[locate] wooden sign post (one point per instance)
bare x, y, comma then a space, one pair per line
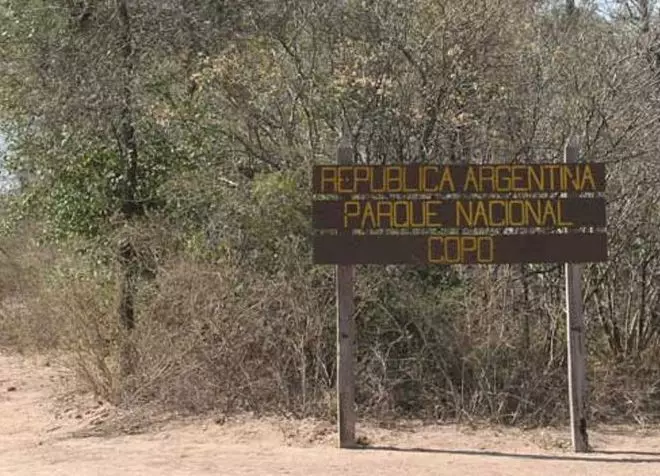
576, 343
345, 330
515, 204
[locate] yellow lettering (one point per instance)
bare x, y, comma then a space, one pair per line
425, 184
383, 184
431, 247
406, 179
501, 181
491, 178
492, 213
570, 179
469, 245
351, 210
460, 249
560, 215
485, 255
344, 182
361, 174
534, 212
553, 214
329, 177
536, 178
454, 243
447, 180
393, 180
549, 211
384, 210
480, 214
439, 179
407, 211
368, 214
417, 214
520, 212
587, 176
461, 213
554, 183
430, 214
518, 182
470, 181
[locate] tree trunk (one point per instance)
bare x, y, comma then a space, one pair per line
570, 7
126, 306
129, 153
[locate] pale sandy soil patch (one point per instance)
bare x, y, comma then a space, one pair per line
44, 435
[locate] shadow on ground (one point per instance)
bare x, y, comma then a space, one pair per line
650, 457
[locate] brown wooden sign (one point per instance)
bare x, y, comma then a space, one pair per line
405, 214
420, 201
503, 213
460, 249
446, 179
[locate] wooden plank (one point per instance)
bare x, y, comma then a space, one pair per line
443, 179
346, 417
425, 250
576, 344
430, 214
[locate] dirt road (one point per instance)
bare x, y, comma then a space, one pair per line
39, 437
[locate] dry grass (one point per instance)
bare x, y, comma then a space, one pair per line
22, 265
210, 337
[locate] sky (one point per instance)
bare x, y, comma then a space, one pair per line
6, 181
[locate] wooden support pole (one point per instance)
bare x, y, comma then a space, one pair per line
345, 331
576, 341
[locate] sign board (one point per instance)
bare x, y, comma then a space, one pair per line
429, 214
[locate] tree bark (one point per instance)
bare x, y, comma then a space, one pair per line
127, 256
570, 7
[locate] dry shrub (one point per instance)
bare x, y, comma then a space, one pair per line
447, 343
627, 391
432, 347
23, 265
215, 337
52, 299
88, 332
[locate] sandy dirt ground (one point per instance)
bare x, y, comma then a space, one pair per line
43, 433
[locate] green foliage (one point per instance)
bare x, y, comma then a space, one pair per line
254, 222
82, 197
